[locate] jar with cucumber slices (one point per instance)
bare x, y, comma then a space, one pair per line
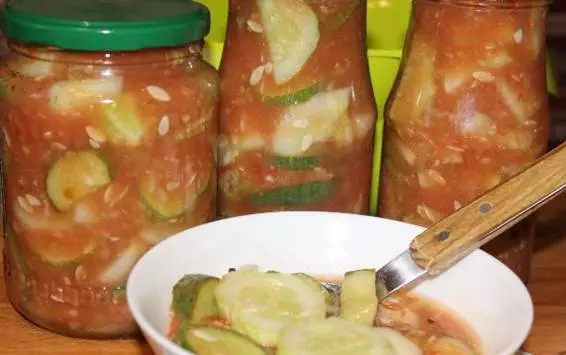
109, 146
298, 114
469, 111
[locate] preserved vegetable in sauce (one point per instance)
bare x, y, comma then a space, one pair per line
105, 153
298, 115
253, 312
468, 111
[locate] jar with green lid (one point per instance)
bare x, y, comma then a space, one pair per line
109, 134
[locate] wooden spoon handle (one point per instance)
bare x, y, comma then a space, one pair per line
475, 224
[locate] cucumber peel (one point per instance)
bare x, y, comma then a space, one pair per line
193, 297
304, 194
294, 163
295, 97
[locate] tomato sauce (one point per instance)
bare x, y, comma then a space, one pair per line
105, 155
297, 110
468, 111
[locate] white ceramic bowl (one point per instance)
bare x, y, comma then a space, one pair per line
481, 290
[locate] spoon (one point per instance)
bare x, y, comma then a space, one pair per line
470, 227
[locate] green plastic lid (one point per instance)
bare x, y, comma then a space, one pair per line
105, 25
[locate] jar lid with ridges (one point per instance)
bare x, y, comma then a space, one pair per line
105, 25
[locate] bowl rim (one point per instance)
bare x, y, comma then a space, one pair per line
150, 331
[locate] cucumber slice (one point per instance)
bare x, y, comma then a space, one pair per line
447, 345
401, 344
333, 336
294, 163
260, 304
162, 203
64, 258
35, 68
65, 96
117, 272
304, 194
291, 30
294, 98
74, 176
332, 299
210, 340
358, 298
320, 119
121, 120
193, 297
51, 238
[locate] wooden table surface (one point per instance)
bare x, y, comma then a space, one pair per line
547, 286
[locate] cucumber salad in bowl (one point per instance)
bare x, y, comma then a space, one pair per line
253, 312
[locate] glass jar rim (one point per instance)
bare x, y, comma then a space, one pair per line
144, 56
498, 4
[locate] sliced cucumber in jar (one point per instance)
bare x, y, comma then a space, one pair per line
294, 163
295, 97
60, 257
65, 96
162, 203
206, 339
358, 300
193, 297
291, 31
122, 122
333, 336
260, 304
304, 194
74, 176
117, 271
321, 119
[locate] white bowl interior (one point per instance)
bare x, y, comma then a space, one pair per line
480, 290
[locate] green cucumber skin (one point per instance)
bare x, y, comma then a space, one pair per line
308, 193
294, 163
296, 97
183, 301
147, 201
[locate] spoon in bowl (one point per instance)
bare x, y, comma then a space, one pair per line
470, 227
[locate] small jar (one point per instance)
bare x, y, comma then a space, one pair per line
468, 111
297, 119
109, 136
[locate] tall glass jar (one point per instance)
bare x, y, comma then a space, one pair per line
468, 111
109, 138
297, 114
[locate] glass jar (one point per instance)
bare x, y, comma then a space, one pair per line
109, 138
468, 111
297, 118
